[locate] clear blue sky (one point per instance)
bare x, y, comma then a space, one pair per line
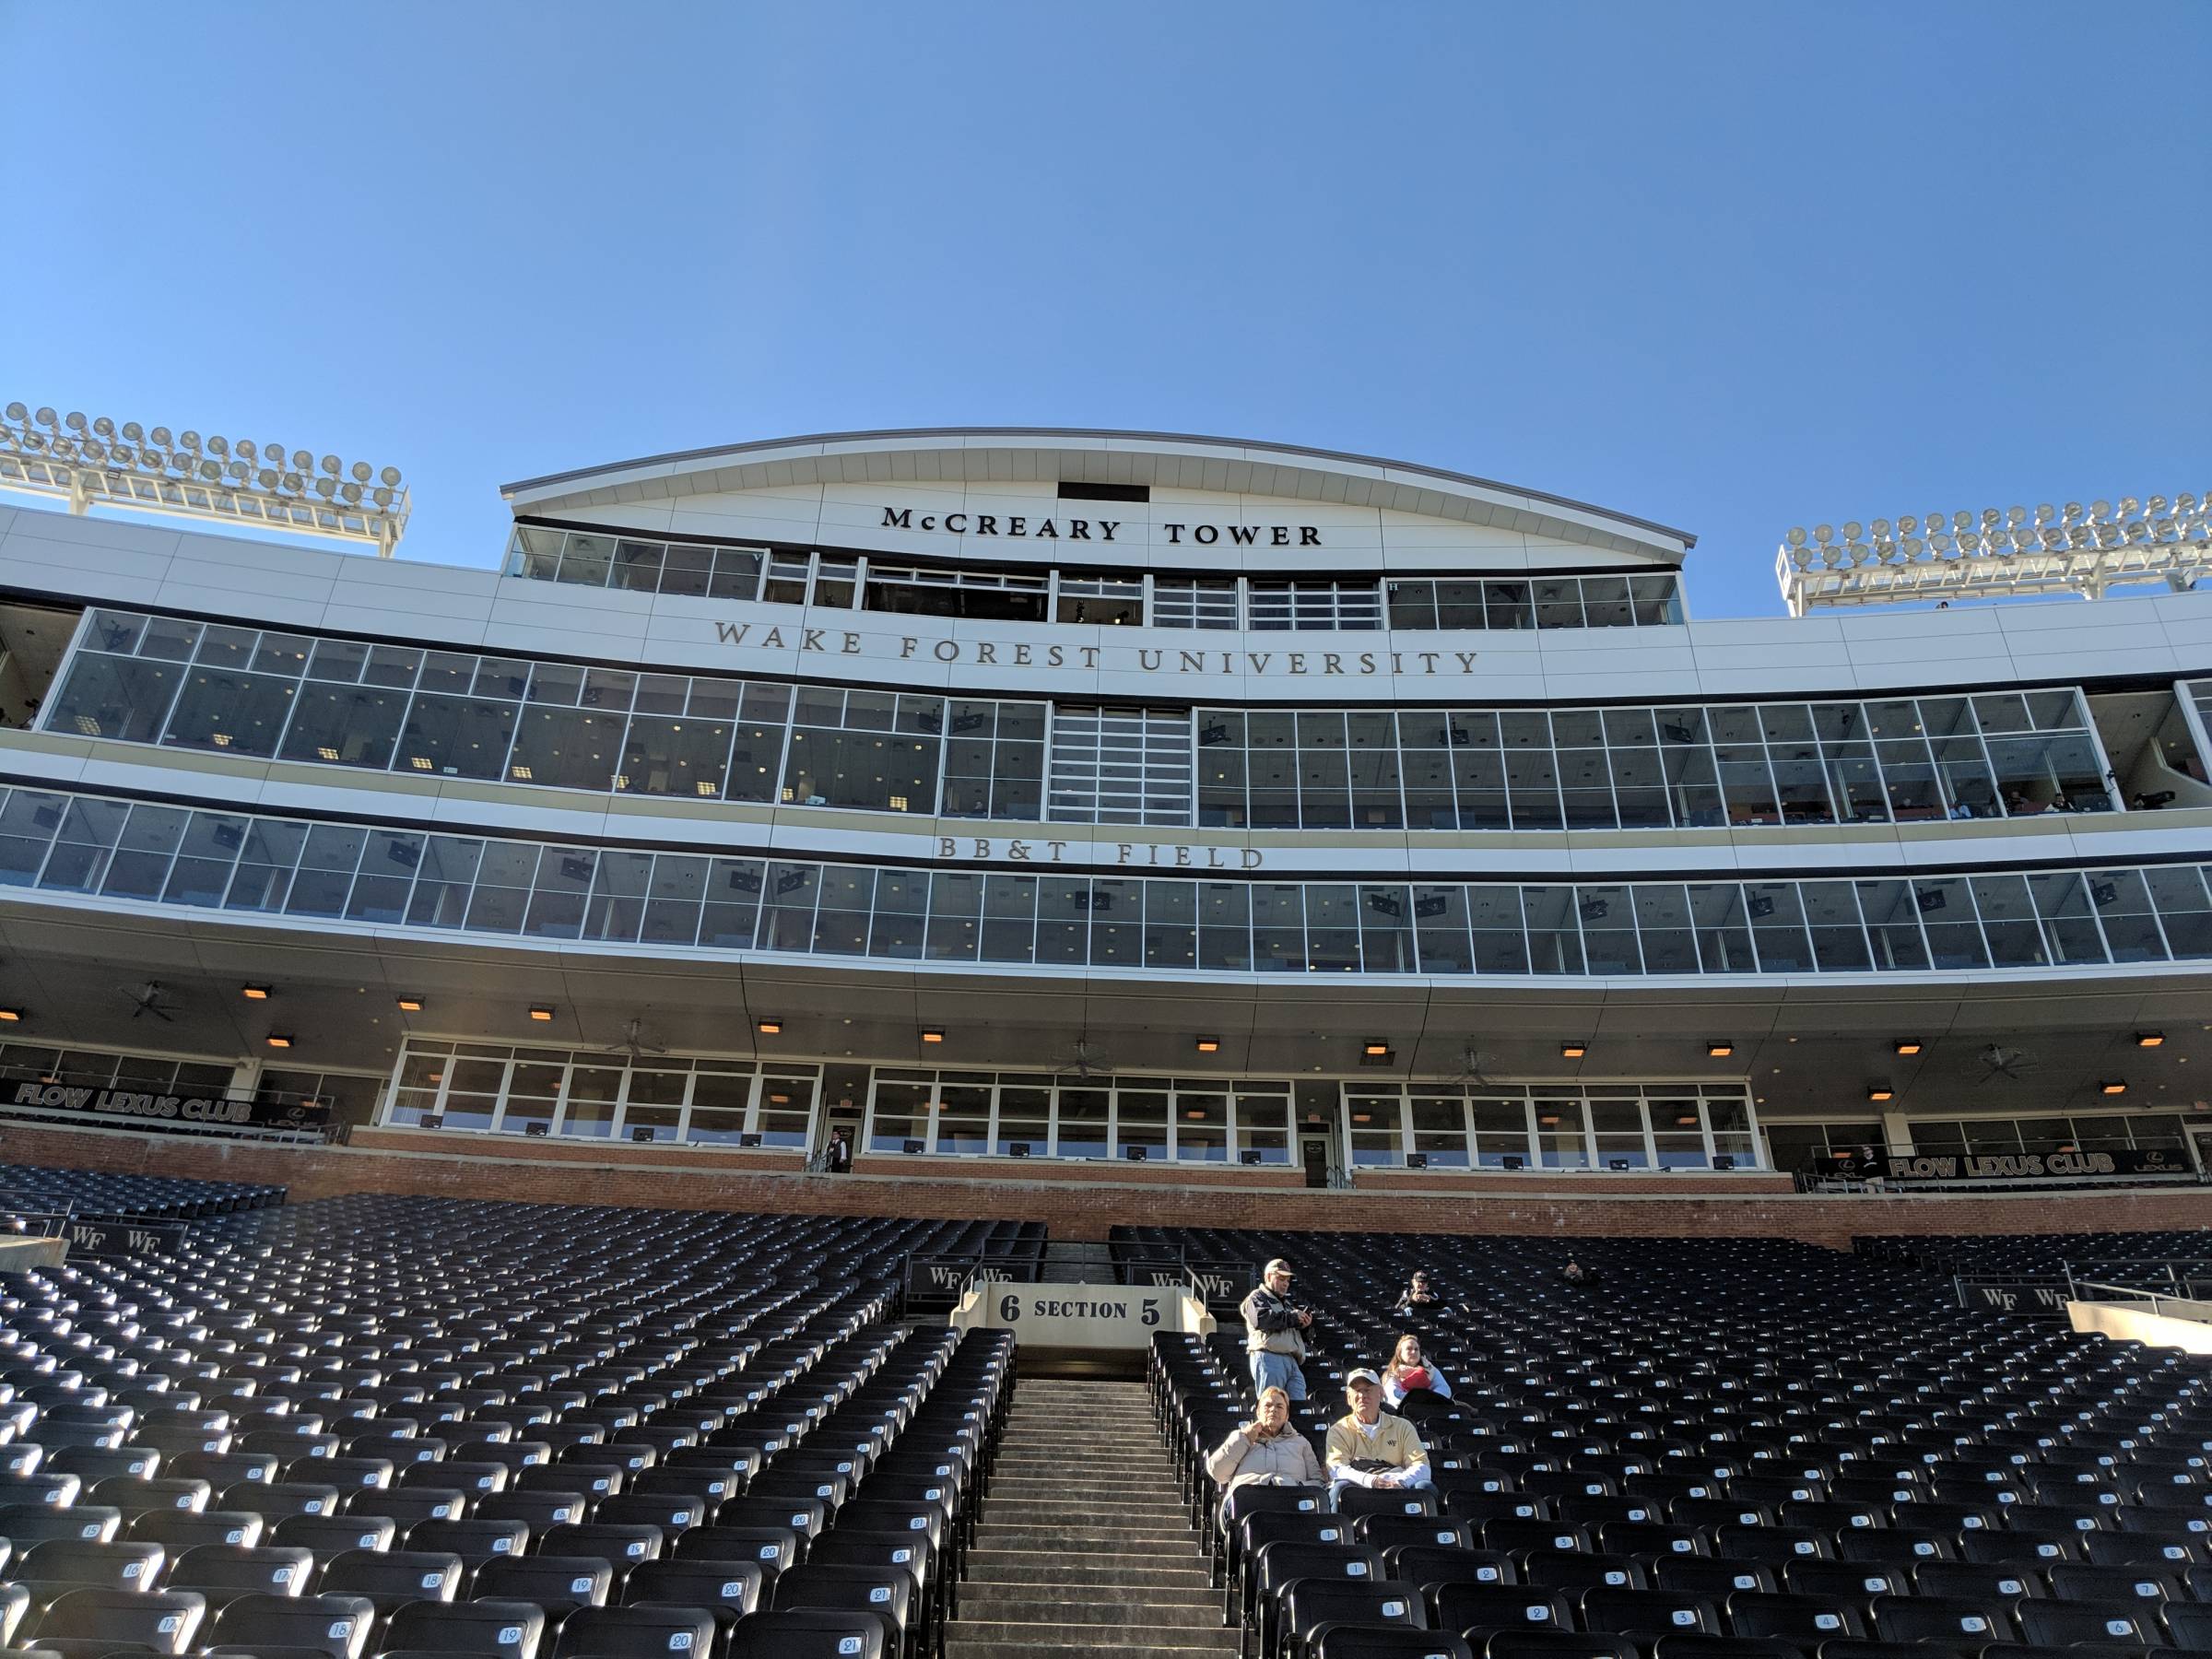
1728, 266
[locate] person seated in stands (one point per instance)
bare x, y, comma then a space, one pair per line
1409, 1373
1275, 1332
1369, 1448
1421, 1296
1574, 1273
1266, 1452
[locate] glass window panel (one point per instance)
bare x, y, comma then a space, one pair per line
1009, 919
456, 736
1024, 1116
1225, 926
344, 724
786, 1116
1561, 1132
1263, 1123
616, 910
1439, 1127
1376, 1117
126, 698
442, 885
673, 903
387, 876
1201, 1122
2185, 910
1082, 1123
589, 1110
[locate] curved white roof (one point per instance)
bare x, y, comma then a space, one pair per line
1045, 454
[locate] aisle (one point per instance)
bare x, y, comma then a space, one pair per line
1084, 1551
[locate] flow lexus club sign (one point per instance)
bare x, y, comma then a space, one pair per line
2037, 1166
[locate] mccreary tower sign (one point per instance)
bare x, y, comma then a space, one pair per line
1079, 529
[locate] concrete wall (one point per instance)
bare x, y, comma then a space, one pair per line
1081, 1203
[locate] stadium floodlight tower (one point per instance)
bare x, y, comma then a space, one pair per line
2000, 554
184, 474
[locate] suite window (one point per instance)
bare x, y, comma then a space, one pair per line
1562, 1131
654, 1102
1225, 926
1025, 1116
2184, 909
90, 830
1374, 1121
1201, 1122
1677, 1135
1170, 930
722, 1095
993, 759
731, 895
1617, 1128
593, 1096
534, 1090
1140, 1117
866, 749
935, 591
441, 886
963, 1103
668, 914
1082, 1122
1439, 1120
1263, 1121
1099, 601
841, 920
201, 874
1010, 919
616, 909
381, 890
785, 1114
125, 699
1501, 1129
501, 897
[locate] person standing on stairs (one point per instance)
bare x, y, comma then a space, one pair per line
1275, 1332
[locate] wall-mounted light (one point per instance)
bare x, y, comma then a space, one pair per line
254, 993
1906, 1045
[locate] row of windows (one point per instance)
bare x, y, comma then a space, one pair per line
1796, 1147
189, 685
1206, 1120
591, 1095
1993, 755
159, 853
839, 581
1564, 1126
439, 713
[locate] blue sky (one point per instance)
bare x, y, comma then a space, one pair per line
1730, 266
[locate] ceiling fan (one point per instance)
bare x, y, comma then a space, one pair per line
2013, 1064
1088, 1060
633, 1042
146, 999
1471, 1074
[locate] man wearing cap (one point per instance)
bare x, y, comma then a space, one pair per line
1275, 1332
1366, 1448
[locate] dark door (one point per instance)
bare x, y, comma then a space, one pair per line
1314, 1148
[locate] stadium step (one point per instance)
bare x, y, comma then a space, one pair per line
1084, 1549
1069, 1263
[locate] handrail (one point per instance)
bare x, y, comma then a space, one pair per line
2197, 1310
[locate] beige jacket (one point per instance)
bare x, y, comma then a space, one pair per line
1285, 1459
1393, 1441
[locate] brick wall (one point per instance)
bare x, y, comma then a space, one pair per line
1078, 1204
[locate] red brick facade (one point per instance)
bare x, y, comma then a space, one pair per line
1081, 1201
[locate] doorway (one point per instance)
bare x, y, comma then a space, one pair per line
1313, 1153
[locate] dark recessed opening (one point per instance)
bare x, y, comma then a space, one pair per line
1105, 492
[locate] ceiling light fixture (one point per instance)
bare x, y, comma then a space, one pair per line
770, 1027
2149, 1039
933, 1035
541, 1012
1372, 1049
1573, 1050
254, 993
1906, 1045
10, 1016
410, 1005
279, 1040
2112, 1086
1209, 1045
1720, 1048
1880, 1091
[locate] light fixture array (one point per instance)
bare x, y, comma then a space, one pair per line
184, 474
2069, 549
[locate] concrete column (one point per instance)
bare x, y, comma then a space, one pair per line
1897, 1135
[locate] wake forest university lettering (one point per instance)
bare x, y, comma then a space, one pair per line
1204, 536
1143, 659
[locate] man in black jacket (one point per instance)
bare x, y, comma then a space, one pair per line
1275, 1332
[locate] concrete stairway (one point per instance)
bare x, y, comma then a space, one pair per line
1077, 1264
1084, 1549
